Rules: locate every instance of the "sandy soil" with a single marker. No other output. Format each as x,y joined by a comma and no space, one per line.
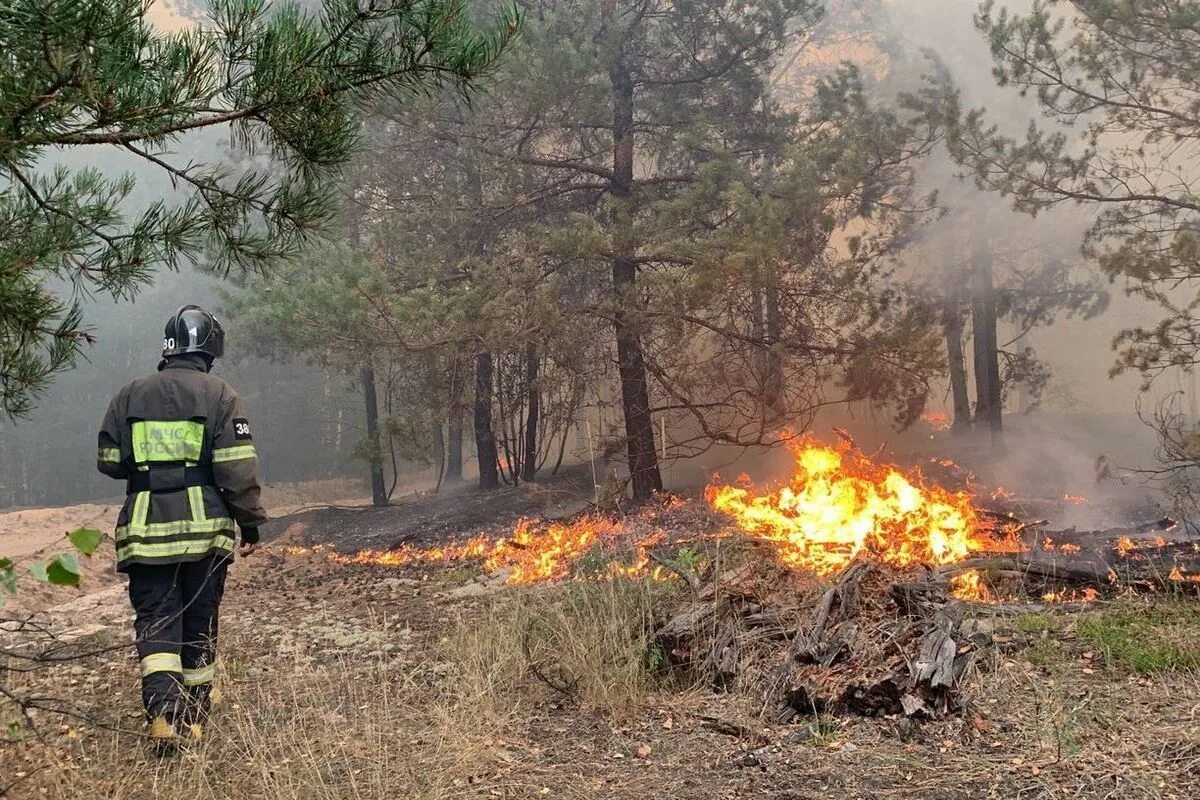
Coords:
31,534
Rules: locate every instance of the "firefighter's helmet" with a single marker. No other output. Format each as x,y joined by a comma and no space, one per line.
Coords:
191,329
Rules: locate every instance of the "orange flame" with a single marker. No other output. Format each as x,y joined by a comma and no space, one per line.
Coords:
1085,595
970,585
937,420
840,505
1179,575
1126,544
529,554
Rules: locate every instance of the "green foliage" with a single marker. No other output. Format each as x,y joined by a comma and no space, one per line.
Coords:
1118,84
1035,623
61,570
763,234
96,75
689,557
1047,652
38,570
1146,639
8,577
86,540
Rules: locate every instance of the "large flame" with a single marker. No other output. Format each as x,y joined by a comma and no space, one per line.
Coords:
840,505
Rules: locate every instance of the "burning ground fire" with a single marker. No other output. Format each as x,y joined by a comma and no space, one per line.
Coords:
937,420
532,553
839,506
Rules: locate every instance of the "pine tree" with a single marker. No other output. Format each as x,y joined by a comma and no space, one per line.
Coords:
1118,84
95,76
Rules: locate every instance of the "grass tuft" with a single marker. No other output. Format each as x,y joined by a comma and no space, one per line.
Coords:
1146,639
588,641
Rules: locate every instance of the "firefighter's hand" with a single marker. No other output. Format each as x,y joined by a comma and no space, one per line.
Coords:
249,542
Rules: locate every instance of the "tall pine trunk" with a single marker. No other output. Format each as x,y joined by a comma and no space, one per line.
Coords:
454,422
379,495
533,409
635,391
987,351
439,444
378,490
774,388
485,437
952,324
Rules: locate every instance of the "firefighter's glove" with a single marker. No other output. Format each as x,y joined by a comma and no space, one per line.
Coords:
249,541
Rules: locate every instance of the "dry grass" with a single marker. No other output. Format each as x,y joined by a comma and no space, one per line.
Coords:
463,714
371,729
430,728
590,642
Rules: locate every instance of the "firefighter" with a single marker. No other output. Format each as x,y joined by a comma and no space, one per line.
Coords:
180,440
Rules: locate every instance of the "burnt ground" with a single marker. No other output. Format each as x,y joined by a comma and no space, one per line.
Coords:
429,518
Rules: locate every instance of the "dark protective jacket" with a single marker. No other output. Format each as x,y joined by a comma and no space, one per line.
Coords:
181,440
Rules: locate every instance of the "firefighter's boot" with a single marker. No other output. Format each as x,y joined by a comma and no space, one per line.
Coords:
162,734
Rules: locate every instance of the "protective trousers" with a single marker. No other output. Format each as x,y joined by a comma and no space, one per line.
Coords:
177,609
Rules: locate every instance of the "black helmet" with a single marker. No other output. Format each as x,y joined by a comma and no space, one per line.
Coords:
191,329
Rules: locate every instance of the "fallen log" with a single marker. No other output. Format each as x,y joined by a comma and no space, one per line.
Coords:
1151,566
833,628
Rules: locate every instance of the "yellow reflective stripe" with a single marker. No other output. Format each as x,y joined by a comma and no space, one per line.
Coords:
186,547
233,453
161,662
110,455
141,507
214,525
199,675
196,503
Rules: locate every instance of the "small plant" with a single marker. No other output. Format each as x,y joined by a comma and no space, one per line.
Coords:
1035,623
656,658
60,570
690,557
1046,652
595,562
589,641
1146,639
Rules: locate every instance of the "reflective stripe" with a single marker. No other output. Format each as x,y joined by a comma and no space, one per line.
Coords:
161,662
161,529
109,455
233,453
180,440
199,675
196,503
141,507
186,547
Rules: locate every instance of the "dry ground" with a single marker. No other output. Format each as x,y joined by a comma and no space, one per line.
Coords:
363,682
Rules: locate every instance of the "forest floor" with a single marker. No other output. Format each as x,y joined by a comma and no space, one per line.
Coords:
362,681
